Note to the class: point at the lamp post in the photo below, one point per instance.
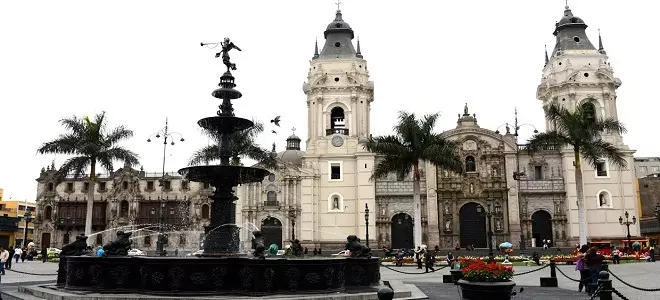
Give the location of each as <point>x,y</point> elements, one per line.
<point>627,223</point>
<point>27,217</point>
<point>366,221</point>
<point>292,217</point>
<point>489,215</point>
<point>517,174</point>
<point>166,134</point>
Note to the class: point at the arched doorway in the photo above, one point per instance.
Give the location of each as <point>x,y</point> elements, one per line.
<point>402,232</point>
<point>541,227</point>
<point>473,225</point>
<point>271,228</point>
<point>45,240</point>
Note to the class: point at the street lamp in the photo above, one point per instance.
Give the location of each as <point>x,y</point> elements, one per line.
<point>489,215</point>
<point>366,221</point>
<point>27,217</point>
<point>627,223</point>
<point>517,174</point>
<point>292,217</point>
<point>166,135</point>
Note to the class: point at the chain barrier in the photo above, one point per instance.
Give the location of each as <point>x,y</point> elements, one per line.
<point>531,271</point>
<point>414,273</point>
<point>632,286</point>
<point>619,294</point>
<point>596,292</point>
<point>590,278</point>
<point>28,273</point>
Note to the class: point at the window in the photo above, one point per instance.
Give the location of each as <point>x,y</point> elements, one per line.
<point>167,185</point>
<point>123,209</point>
<point>184,185</point>
<point>604,199</point>
<point>589,111</point>
<point>51,186</point>
<point>470,164</point>
<point>538,173</point>
<point>102,186</point>
<point>336,203</point>
<point>69,187</point>
<point>335,170</point>
<point>205,211</point>
<point>85,187</point>
<point>601,168</point>
<point>642,170</point>
<point>271,196</point>
<point>147,240</point>
<point>124,185</point>
<point>271,177</point>
<point>150,185</point>
<point>48,213</point>
<point>65,239</point>
<point>99,239</point>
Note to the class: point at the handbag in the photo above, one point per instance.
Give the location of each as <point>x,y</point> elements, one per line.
<point>579,265</point>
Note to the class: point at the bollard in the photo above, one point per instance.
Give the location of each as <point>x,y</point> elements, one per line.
<point>385,293</point>
<point>605,266</point>
<point>605,285</point>
<point>552,280</point>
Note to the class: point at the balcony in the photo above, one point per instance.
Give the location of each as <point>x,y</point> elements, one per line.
<point>271,203</point>
<point>342,131</point>
<point>8,224</point>
<point>649,225</point>
<point>183,221</point>
<point>71,222</point>
<point>548,186</point>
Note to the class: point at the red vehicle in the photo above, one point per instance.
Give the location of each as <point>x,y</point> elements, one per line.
<point>605,247</point>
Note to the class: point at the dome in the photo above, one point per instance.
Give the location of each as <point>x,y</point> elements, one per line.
<point>293,157</point>
<point>338,25</point>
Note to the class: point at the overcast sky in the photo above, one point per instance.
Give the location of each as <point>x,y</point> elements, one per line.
<point>141,62</point>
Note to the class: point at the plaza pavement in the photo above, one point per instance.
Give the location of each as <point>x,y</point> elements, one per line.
<point>645,275</point>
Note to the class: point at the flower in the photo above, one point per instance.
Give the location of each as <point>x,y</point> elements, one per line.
<point>480,271</point>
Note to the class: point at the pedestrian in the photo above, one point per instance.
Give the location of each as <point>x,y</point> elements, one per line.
<point>316,251</point>
<point>176,252</point>
<point>17,253</point>
<point>23,254</point>
<point>100,252</point>
<point>4,256</point>
<point>11,256</point>
<point>651,252</point>
<point>305,251</point>
<point>418,257</point>
<point>582,267</point>
<point>429,261</point>
<point>44,254</point>
<point>536,258</point>
<point>616,256</point>
<point>450,260</point>
<point>594,263</point>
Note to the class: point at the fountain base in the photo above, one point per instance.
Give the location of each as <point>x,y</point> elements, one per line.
<point>222,241</point>
<point>216,275</point>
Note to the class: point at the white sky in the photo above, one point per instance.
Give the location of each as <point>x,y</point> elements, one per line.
<point>141,61</point>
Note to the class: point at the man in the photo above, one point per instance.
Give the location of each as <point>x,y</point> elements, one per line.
<point>17,253</point>
<point>429,261</point>
<point>4,256</point>
<point>652,252</point>
<point>616,256</point>
<point>44,254</point>
<point>11,255</point>
<point>419,255</point>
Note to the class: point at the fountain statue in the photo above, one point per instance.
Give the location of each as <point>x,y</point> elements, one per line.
<point>76,248</point>
<point>222,268</point>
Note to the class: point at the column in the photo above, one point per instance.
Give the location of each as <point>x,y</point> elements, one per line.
<point>433,232</point>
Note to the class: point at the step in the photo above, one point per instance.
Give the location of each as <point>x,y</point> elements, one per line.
<point>16,295</point>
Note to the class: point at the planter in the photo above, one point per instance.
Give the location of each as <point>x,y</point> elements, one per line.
<point>456,275</point>
<point>486,290</point>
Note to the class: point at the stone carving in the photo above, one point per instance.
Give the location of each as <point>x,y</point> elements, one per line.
<point>120,246</point>
<point>498,225</point>
<point>355,248</point>
<point>448,225</point>
<point>227,46</point>
<point>76,248</point>
<point>259,247</point>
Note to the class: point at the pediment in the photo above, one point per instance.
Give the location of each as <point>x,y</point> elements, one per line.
<point>482,136</point>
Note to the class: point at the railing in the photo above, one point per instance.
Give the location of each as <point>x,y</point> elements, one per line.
<point>271,203</point>
<point>542,186</point>
<point>342,131</point>
<point>75,222</point>
<point>601,173</point>
<point>182,221</point>
<point>523,147</point>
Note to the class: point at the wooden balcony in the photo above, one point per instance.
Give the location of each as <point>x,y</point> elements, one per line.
<point>9,223</point>
<point>548,186</point>
<point>271,203</point>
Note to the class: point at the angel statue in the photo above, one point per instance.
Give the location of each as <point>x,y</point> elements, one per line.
<point>227,45</point>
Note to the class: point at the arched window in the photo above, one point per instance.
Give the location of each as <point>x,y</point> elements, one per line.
<point>123,209</point>
<point>271,196</point>
<point>65,239</point>
<point>48,213</point>
<point>470,164</point>
<point>205,211</point>
<point>589,111</point>
<point>337,118</point>
<point>604,199</point>
<point>51,186</point>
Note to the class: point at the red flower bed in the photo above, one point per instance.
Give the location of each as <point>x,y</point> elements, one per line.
<point>481,271</point>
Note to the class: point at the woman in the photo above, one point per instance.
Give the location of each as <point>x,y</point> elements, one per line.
<point>594,263</point>
<point>581,267</point>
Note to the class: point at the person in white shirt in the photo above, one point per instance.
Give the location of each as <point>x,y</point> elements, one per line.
<point>17,253</point>
<point>4,256</point>
<point>616,256</point>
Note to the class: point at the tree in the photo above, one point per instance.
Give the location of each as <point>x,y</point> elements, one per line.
<point>243,145</point>
<point>580,130</point>
<point>413,141</point>
<point>89,142</point>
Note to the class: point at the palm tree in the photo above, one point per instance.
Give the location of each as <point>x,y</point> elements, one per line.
<point>580,130</point>
<point>89,143</point>
<point>243,144</point>
<point>413,141</point>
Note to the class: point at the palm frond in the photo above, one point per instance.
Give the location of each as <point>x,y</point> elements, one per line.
<point>547,140</point>
<point>391,164</point>
<point>598,149</point>
<point>63,144</point>
<point>386,145</point>
<point>442,153</point>
<point>205,155</point>
<point>117,135</point>
<point>75,166</point>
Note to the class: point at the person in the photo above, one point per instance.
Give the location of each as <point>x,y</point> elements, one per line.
<point>23,254</point>
<point>316,251</point>
<point>176,252</point>
<point>4,256</point>
<point>450,260</point>
<point>399,258</point>
<point>419,254</point>
<point>651,252</point>
<point>17,253</point>
<point>581,267</point>
<point>429,261</point>
<point>11,256</point>
<point>594,263</point>
<point>100,252</point>
<point>536,258</point>
<point>616,256</point>
<point>44,254</point>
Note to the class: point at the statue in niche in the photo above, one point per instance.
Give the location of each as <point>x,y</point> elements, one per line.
<point>335,203</point>
<point>471,188</point>
<point>498,225</point>
<point>446,208</point>
<point>448,225</point>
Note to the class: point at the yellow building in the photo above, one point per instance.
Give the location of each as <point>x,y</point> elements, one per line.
<point>14,210</point>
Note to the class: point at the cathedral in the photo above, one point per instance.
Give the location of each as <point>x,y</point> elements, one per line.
<point>322,194</point>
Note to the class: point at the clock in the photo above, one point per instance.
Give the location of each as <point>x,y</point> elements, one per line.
<point>337,141</point>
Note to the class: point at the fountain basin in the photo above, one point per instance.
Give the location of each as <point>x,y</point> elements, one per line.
<point>224,175</point>
<point>216,275</point>
<point>225,124</point>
